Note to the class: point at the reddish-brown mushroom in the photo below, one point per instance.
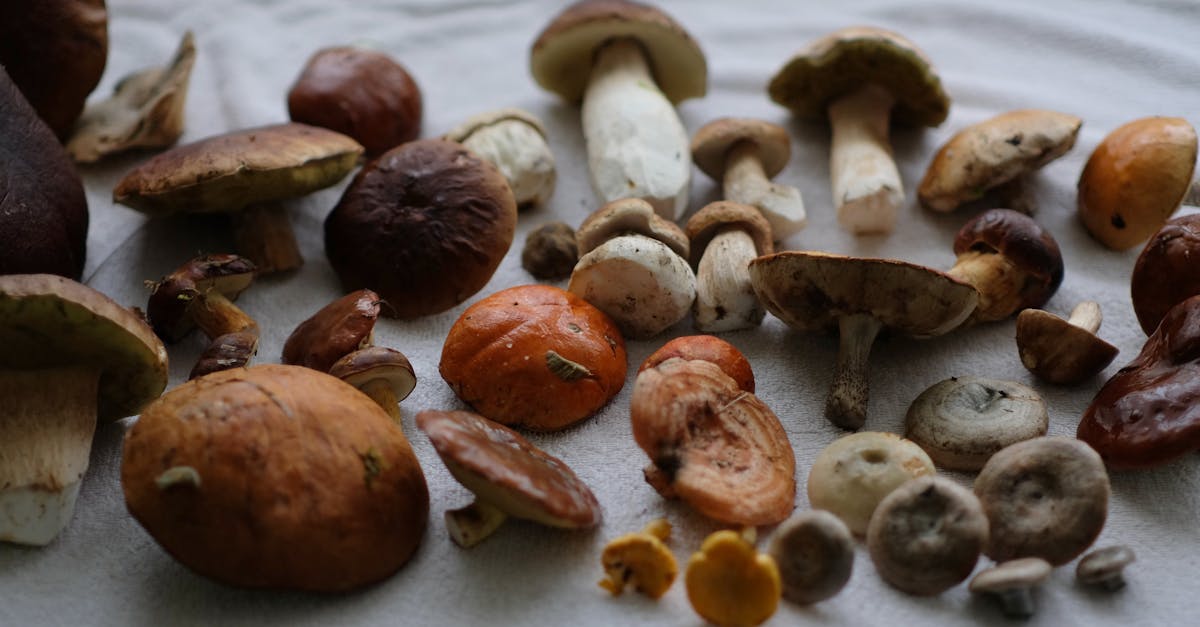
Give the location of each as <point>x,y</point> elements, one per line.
<point>1167,271</point>
<point>708,348</point>
<point>338,329</point>
<point>1013,262</point>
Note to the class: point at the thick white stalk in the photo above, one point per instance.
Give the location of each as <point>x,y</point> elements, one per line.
<point>866,183</point>
<point>637,146</point>
<point>725,299</point>
<point>472,524</point>
<point>746,182</point>
<point>521,154</point>
<point>1086,316</point>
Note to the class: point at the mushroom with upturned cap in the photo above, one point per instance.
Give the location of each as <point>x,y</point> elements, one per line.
<point>724,237</point>
<point>1105,567</point>
<point>1063,351</point>
<point>1013,581</point>
<point>1166,272</point>
<point>815,555</point>
<point>853,474</point>
<point>515,141</point>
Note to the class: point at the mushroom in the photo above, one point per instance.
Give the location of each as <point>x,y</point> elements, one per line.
<point>744,155</point>
<point>1166,272</point>
<point>996,153</point>
<point>336,330</point>
<point>729,583</point>
<point>453,212</point>
<point>630,64</point>
<point>509,476</point>
<point>708,348</point>
<point>925,537</point>
<point>1063,351</point>
<point>640,559</point>
<point>200,293</point>
<point>724,237</point>
<point>1046,497</point>
<point>71,357</point>
<point>815,555</point>
<point>853,474</point>
<point>1013,581</point>
<point>712,444</point>
<point>632,267</point>
<point>813,291</point>
<point>245,173</point>
<point>550,251</point>
<point>963,421</point>
<point>384,374</point>
<point>1135,179</point>
<point>1013,262</point>
<point>860,79</point>
<point>515,141</point>
<point>276,476</point>
<point>1105,567</point>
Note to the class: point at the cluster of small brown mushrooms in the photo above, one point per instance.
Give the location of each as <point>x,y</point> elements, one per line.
<point>204,470</point>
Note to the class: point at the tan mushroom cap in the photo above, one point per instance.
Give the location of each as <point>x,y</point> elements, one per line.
<point>715,216</point>
<point>377,363</point>
<point>993,152</point>
<point>488,118</point>
<point>1025,572</point>
<point>336,330</point>
<point>561,57</point>
<point>1058,351</point>
<point>849,58</point>
<point>712,142</point>
<point>629,215</point>
<point>233,171</point>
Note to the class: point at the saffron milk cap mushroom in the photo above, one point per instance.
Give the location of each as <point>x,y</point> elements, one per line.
<point>815,555</point>
<point>725,236</point>
<point>515,141</point>
<point>1063,351</point>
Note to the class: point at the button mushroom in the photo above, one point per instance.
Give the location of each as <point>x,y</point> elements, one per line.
<point>1013,581</point>
<point>336,330</point>
<point>515,141</point>
<point>861,79</point>
<point>640,559</point>
<point>1166,272</point>
<point>1105,567</point>
<point>724,238</point>
<point>509,476</point>
<point>71,357</point>
<point>731,584</point>
<point>708,348</point>
<point>813,291</point>
<point>550,251</point>
<point>744,155</point>
<point>1063,351</point>
<point>815,555</point>
<point>629,63</point>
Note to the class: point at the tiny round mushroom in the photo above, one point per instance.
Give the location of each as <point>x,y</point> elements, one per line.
<point>640,559</point>
<point>925,537</point>
<point>1013,582</point>
<point>963,421</point>
<point>724,237</point>
<point>1105,567</point>
<point>815,555</point>
<point>515,141</point>
<point>384,374</point>
<point>509,476</point>
<point>708,348</point>
<point>1063,351</point>
<point>550,252</point>
<point>744,155</point>
<point>729,583</point>
<point>1166,273</point>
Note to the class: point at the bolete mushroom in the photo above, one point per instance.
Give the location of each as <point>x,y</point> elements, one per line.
<point>71,357</point>
<point>1063,351</point>
<point>731,584</point>
<point>245,173</point>
<point>550,251</point>
<point>515,141</point>
<point>820,292</point>
<point>382,373</point>
<point>336,330</point>
<point>860,79</point>
<point>1013,582</point>
<point>1166,272</point>
<point>1105,567</point>
<point>815,555</point>
<point>509,476</point>
<point>724,237</point>
<point>640,559</point>
<point>629,64</point>
<point>708,348</point>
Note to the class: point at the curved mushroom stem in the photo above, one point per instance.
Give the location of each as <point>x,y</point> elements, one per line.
<point>725,299</point>
<point>996,279</point>
<point>472,524</point>
<point>47,420</point>
<point>866,183</point>
<point>637,146</point>
<point>263,234</point>
<point>746,182</point>
<point>233,334</point>
<point>846,406</point>
<point>382,393</point>
<point>520,152</point>
<point>1016,602</point>
<point>1086,316</point>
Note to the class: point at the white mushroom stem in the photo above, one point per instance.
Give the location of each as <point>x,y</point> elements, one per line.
<point>725,299</point>
<point>1016,602</point>
<point>746,182</point>
<point>47,420</point>
<point>846,406</point>
<point>384,395</point>
<point>637,146</point>
<point>263,234</point>
<point>866,183</point>
<point>1086,316</point>
<point>521,154</point>
<point>470,525</point>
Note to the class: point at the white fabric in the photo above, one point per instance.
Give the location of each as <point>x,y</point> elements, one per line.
<point>1106,61</point>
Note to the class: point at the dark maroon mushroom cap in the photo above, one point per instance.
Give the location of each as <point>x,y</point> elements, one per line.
<point>1167,271</point>
<point>1022,241</point>
<point>167,309</point>
<point>338,329</point>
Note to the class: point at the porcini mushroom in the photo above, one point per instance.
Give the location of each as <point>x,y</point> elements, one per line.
<point>1166,272</point>
<point>731,584</point>
<point>382,373</point>
<point>71,357</point>
<point>813,291</point>
<point>724,237</point>
<point>1105,567</point>
<point>744,155</point>
<point>509,476</point>
<point>630,64</point>
<point>640,559</point>
<point>1063,351</point>
<point>550,251</point>
<point>515,141</point>
<point>336,330</point>
<point>1013,582</point>
<point>708,348</point>
<point>815,555</point>
<point>861,79</point>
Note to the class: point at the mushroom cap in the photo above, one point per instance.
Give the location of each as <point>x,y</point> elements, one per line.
<point>425,225</point>
<point>715,216</point>
<point>482,120</point>
<point>1046,497</point>
<point>1135,179</point>
<point>1058,351</point>
<point>1025,572</point>
<point>169,304</point>
<point>963,421</point>
<point>1103,564</point>
<point>815,555</point>
<point>508,472</point>
<point>629,215</point>
<point>1172,252</point>
<point>562,55</point>
<point>1024,243</point>
<point>341,505</point>
<point>810,291</point>
<point>846,59</point>
<point>708,348</point>
<point>712,142</point>
<point>338,329</point>
<point>230,172</point>
<point>375,363</point>
<point>993,152</point>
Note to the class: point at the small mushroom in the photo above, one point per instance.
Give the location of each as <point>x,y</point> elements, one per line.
<point>515,141</point>
<point>509,476</point>
<point>640,559</point>
<point>1063,351</point>
<point>729,583</point>
<point>925,537</point>
<point>1105,567</point>
<point>1013,582</point>
<point>744,155</point>
<point>1046,497</point>
<point>724,237</point>
<point>1013,262</point>
<point>853,474</point>
<point>384,374</point>
<point>336,330</point>
<point>815,555</point>
<point>861,79</point>
<point>1166,273</point>
<point>708,348</point>
<point>996,153</point>
<point>963,421</point>
<point>550,251</point>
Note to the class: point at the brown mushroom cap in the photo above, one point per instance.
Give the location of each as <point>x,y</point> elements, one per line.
<point>846,59</point>
<point>1046,497</point>
<point>708,348</point>
<point>1022,242</point>
<point>1025,572</point>
<point>712,142</point>
<point>815,555</point>
<point>508,472</point>
<point>562,55</point>
<point>425,225</point>
<point>629,215</point>
<point>172,297</point>
<point>338,329</point>
<point>550,251</point>
<point>1058,351</point>
<point>1166,272</point>
<point>377,363</point>
<point>713,217</point>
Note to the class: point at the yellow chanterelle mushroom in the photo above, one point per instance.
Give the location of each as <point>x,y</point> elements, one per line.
<point>731,584</point>
<point>641,559</point>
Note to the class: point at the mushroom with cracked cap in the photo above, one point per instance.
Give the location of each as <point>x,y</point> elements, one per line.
<point>515,141</point>
<point>724,237</point>
<point>1013,581</point>
<point>1063,351</point>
